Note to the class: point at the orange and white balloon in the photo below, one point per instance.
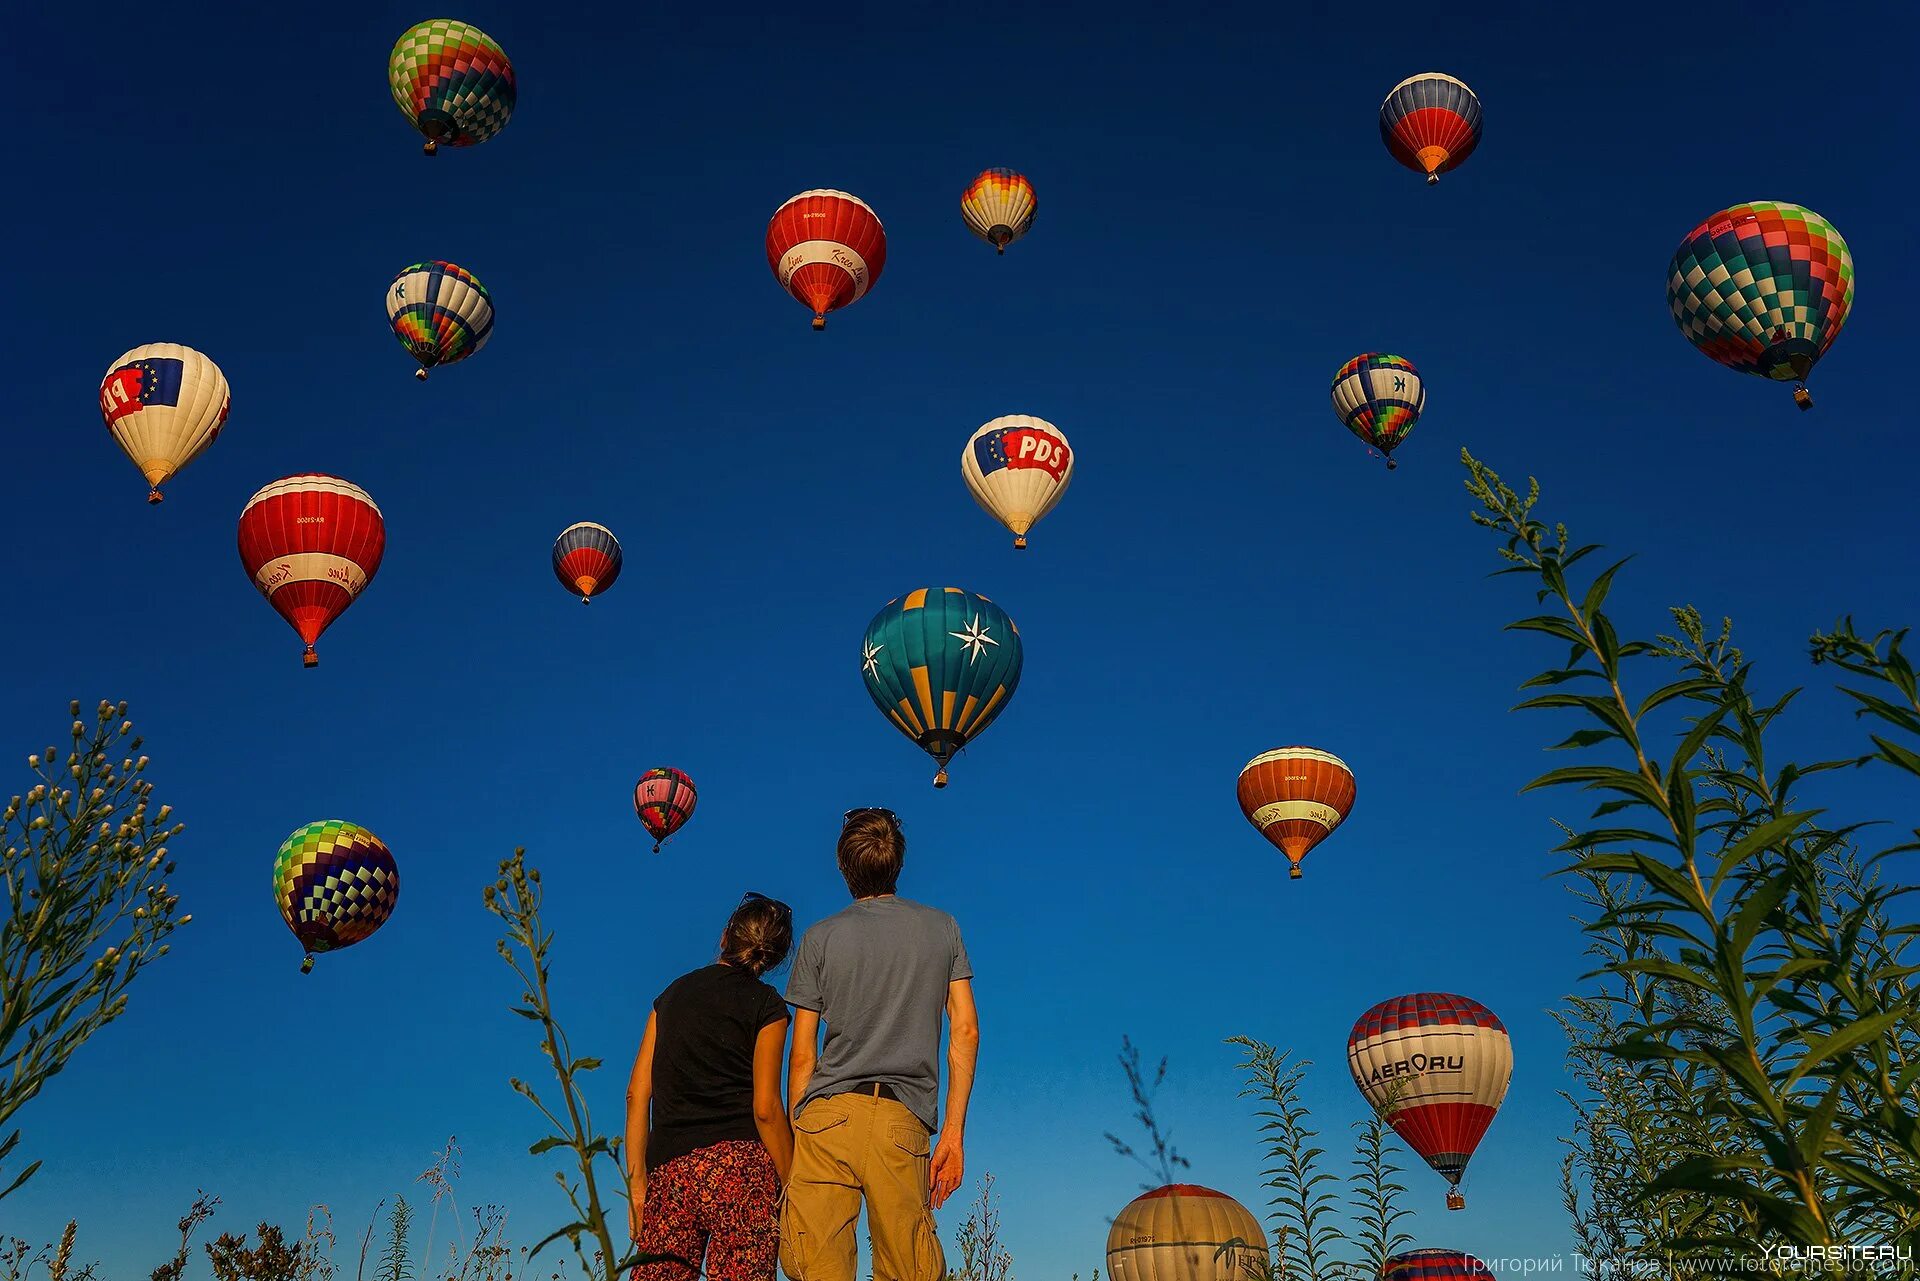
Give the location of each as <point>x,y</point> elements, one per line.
<point>1016,467</point>
<point>1182,1232</point>
<point>999,207</point>
<point>827,249</point>
<point>1296,796</point>
<point>164,404</point>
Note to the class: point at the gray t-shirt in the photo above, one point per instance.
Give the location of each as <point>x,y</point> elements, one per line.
<point>877,973</point>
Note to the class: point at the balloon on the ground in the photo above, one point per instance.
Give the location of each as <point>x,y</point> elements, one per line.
<point>1435,1066</point>
<point>1016,468</point>
<point>1183,1232</point>
<point>336,883</point>
<point>941,663</point>
<point>1379,398</point>
<point>1435,1265</point>
<point>1431,123</point>
<point>827,249</point>
<point>440,313</point>
<point>452,81</point>
<point>586,559</point>
<point>663,799</point>
<point>1295,797</point>
<point>1764,288</point>
<point>163,404</point>
<point>999,207</point>
<point>311,544</point>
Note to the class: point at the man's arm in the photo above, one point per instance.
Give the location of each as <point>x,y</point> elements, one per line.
<point>806,1053</point>
<point>769,1117</point>
<point>963,1050</point>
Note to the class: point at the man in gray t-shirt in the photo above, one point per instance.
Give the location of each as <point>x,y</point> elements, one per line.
<point>881,973</point>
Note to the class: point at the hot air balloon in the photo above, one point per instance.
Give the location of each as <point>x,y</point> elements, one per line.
<point>1379,398</point>
<point>1184,1233</point>
<point>1296,796</point>
<point>164,404</point>
<point>1435,1265</point>
<point>452,81</point>
<point>1436,1066</point>
<point>586,559</point>
<point>1016,468</point>
<point>827,249</point>
<point>336,883</point>
<point>311,544</point>
<point>1763,288</point>
<point>941,663</point>
<point>999,207</point>
<point>440,313</point>
<point>1431,123</point>
<point>664,800</point>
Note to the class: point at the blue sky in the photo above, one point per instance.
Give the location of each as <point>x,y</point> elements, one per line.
<point>1219,229</point>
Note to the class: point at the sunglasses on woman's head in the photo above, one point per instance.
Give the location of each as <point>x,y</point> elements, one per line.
<point>754,896</point>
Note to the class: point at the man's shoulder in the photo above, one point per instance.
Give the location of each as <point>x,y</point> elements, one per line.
<point>928,912</point>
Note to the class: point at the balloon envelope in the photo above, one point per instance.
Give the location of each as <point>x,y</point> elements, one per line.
<point>311,544</point>
<point>336,883</point>
<point>440,313</point>
<point>1431,123</point>
<point>941,663</point>
<point>1762,287</point>
<point>1176,1233</point>
<point>163,404</point>
<point>1379,397</point>
<point>826,248</point>
<point>1295,797</point>
<point>1435,1265</point>
<point>1017,467</point>
<point>664,799</point>
<point>999,207</point>
<point>1436,1066</point>
<point>586,559</point>
<point>452,81</point>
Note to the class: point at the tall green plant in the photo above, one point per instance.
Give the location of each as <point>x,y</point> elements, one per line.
<point>1304,1208</point>
<point>1751,970</point>
<point>83,868</point>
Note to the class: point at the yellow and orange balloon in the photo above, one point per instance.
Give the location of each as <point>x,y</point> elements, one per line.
<point>999,207</point>
<point>1295,797</point>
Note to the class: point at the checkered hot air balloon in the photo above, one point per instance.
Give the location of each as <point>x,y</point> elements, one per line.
<point>1431,123</point>
<point>1763,288</point>
<point>1017,467</point>
<point>311,544</point>
<point>336,883</point>
<point>1435,1265</point>
<point>163,404</point>
<point>1436,1067</point>
<point>1379,398</point>
<point>440,313</point>
<point>941,663</point>
<point>586,559</point>
<point>1295,797</point>
<point>452,81</point>
<point>826,248</point>
<point>1183,1232</point>
<point>664,799</point>
<point>999,207</point>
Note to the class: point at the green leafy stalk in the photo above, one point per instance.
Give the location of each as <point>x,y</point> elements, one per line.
<point>1161,1159</point>
<point>1374,1194</point>
<point>1303,1207</point>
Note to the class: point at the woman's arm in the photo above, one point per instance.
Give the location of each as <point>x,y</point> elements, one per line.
<point>639,1103</point>
<point>806,1051</point>
<point>769,1114</point>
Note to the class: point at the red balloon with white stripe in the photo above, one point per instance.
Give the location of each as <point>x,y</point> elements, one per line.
<point>827,249</point>
<point>1436,1067</point>
<point>311,544</point>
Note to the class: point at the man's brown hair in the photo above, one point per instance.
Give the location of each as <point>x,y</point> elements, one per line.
<point>872,847</point>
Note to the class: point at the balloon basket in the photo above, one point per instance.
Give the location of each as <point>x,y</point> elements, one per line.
<point>1020,542</point>
<point>1803,398</point>
<point>1392,466</point>
<point>432,148</point>
<point>1454,1200</point>
<point>306,966</point>
<point>586,600</point>
<point>154,498</point>
<point>656,847</point>
<point>940,779</point>
<point>820,322</point>
<point>309,659</point>
<point>1293,872</point>
<point>1433,180</point>
<point>421,374</point>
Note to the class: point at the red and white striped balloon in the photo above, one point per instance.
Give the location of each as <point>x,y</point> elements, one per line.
<point>1436,1066</point>
<point>827,249</point>
<point>311,543</point>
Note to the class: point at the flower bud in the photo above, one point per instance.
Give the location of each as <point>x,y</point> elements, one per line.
<point>79,730</point>
<point>33,761</point>
<point>188,917</point>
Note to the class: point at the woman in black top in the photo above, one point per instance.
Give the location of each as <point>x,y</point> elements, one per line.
<point>708,1144</point>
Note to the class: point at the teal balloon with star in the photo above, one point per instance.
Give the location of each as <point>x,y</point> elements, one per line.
<point>941,663</point>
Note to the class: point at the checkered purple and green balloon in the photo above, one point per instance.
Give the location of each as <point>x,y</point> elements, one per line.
<point>336,883</point>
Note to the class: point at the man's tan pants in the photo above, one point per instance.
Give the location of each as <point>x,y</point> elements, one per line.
<point>848,1147</point>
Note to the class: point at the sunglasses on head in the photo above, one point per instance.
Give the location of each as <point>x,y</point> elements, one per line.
<point>754,896</point>
<point>881,810</point>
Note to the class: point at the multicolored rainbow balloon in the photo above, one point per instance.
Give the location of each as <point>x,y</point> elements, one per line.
<point>452,81</point>
<point>440,313</point>
<point>336,883</point>
<point>1379,398</point>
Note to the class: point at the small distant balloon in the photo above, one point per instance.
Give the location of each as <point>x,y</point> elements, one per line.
<point>453,83</point>
<point>336,883</point>
<point>440,313</point>
<point>999,207</point>
<point>164,404</point>
<point>1016,468</point>
<point>1295,797</point>
<point>1379,398</point>
<point>827,249</point>
<point>1431,123</point>
<point>311,544</point>
<point>1183,1232</point>
<point>663,799</point>
<point>586,559</point>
